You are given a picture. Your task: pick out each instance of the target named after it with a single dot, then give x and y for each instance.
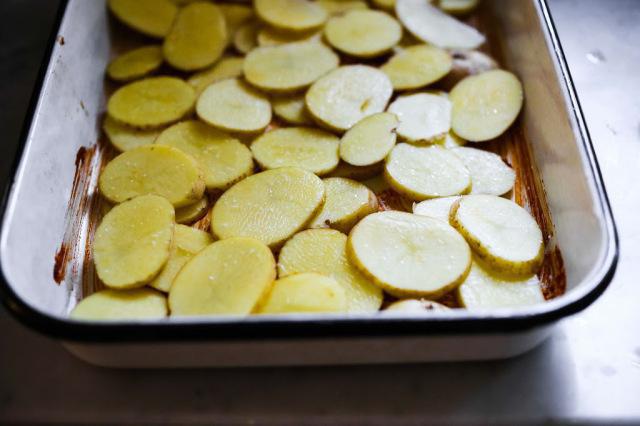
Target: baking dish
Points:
(53, 199)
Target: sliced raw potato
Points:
(466, 63)
(153, 169)
(338, 7)
(457, 7)
(291, 15)
(270, 206)
(431, 25)
(132, 243)
(304, 293)
(152, 102)
(223, 159)
(151, 17)
(451, 140)
(125, 138)
(438, 208)
(377, 184)
(347, 95)
(417, 66)
(245, 38)
(288, 67)
(485, 105)
(235, 15)
(409, 255)
(234, 106)
(384, 4)
(229, 277)
(426, 172)
(363, 33)
(291, 109)
(502, 233)
(229, 67)
(424, 117)
(489, 174)
(347, 201)
(415, 306)
(303, 147)
(192, 212)
(269, 36)
(370, 140)
(346, 170)
(120, 305)
(324, 251)
(135, 64)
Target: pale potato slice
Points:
(303, 147)
(152, 102)
(270, 206)
(304, 293)
(385, 4)
(245, 38)
(132, 243)
(370, 140)
(466, 63)
(125, 138)
(187, 242)
(409, 255)
(229, 67)
(235, 15)
(234, 106)
(291, 15)
(415, 306)
(426, 172)
(424, 117)
(339, 7)
(324, 251)
(431, 25)
(347, 201)
(192, 212)
(346, 170)
(291, 109)
(223, 159)
(135, 63)
(347, 95)
(451, 140)
(489, 174)
(229, 277)
(153, 169)
(417, 66)
(485, 105)
(150, 17)
(269, 36)
(438, 208)
(363, 33)
(457, 7)
(289, 67)
(502, 233)
(121, 305)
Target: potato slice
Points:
(409, 255)
(246, 38)
(121, 305)
(152, 102)
(370, 140)
(324, 251)
(458, 7)
(426, 172)
(223, 159)
(424, 117)
(235, 15)
(438, 208)
(135, 63)
(291, 15)
(431, 25)
(417, 66)
(466, 63)
(385, 4)
(192, 212)
(339, 7)
(346, 170)
(415, 306)
(269, 36)
(502, 233)
(377, 184)
(485, 105)
(229, 277)
(150, 17)
(291, 109)
(153, 169)
(125, 138)
(289, 67)
(451, 140)
(304, 293)
(489, 174)
(270, 206)
(229, 67)
(347, 95)
(132, 243)
(304, 147)
(363, 33)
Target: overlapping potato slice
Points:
(192, 212)
(304, 293)
(363, 33)
(132, 243)
(291, 15)
(229, 277)
(415, 306)
(451, 140)
(370, 140)
(489, 174)
(466, 63)
(424, 117)
(377, 184)
(324, 251)
(346, 170)
(409, 255)
(385, 4)
(235, 15)
(150, 17)
(417, 66)
(125, 138)
(339, 7)
(245, 38)
(121, 305)
(291, 109)
(229, 67)
(457, 7)
(438, 208)
(135, 64)
(269, 36)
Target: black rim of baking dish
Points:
(269, 328)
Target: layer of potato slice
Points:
(339, 7)
(269, 36)
(153, 169)
(192, 212)
(291, 109)
(135, 63)
(229, 277)
(291, 15)
(409, 255)
(424, 117)
(363, 33)
(304, 293)
(228, 67)
(466, 63)
(369, 140)
(451, 140)
(121, 305)
(270, 206)
(501, 233)
(415, 306)
(346, 170)
(235, 15)
(417, 66)
(125, 138)
(457, 7)
(132, 243)
(489, 174)
(438, 208)
(324, 251)
(150, 17)
(245, 38)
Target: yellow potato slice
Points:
(417, 66)
(135, 64)
(426, 172)
(291, 109)
(424, 117)
(438, 208)
(270, 206)
(489, 174)
(458, 7)
(451, 140)
(304, 293)
(370, 140)
(291, 15)
(269, 36)
(186, 243)
(192, 212)
(339, 7)
(150, 17)
(235, 15)
(125, 138)
(346, 170)
(347, 95)
(152, 102)
(234, 106)
(153, 169)
(120, 305)
(502, 234)
(415, 306)
(245, 38)
(485, 105)
(303, 147)
(363, 33)
(466, 63)
(132, 243)
(223, 159)
(409, 255)
(289, 67)
(377, 184)
(324, 251)
(229, 67)
(385, 4)
(229, 277)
